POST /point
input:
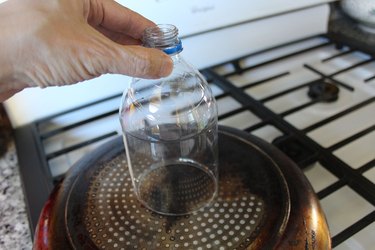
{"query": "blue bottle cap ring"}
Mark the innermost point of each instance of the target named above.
(173, 50)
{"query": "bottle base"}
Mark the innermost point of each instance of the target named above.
(177, 187)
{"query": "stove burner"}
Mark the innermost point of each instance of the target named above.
(296, 150)
(323, 91)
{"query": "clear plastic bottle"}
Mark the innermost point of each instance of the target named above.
(170, 133)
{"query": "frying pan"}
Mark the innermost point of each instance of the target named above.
(264, 202)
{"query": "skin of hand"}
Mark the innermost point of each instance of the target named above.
(59, 42)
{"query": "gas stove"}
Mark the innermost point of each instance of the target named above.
(312, 97)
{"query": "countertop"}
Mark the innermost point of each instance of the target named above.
(14, 226)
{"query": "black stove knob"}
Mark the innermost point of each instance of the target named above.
(323, 91)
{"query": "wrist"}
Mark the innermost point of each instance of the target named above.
(17, 24)
(9, 43)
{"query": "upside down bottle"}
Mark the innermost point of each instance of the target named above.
(170, 133)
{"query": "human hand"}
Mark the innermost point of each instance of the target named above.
(57, 42)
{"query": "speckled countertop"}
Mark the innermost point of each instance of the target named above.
(14, 227)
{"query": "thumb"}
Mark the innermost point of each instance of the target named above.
(138, 61)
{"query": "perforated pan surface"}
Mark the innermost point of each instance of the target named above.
(250, 211)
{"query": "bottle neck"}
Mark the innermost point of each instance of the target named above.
(163, 37)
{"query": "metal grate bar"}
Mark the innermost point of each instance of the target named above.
(75, 125)
(352, 67)
(250, 85)
(338, 115)
(46, 119)
(353, 229)
(337, 55)
(298, 108)
(233, 112)
(369, 79)
(352, 138)
(257, 126)
(331, 188)
(225, 94)
(367, 166)
(237, 68)
(355, 180)
(350, 88)
(288, 55)
(275, 59)
(287, 91)
(79, 145)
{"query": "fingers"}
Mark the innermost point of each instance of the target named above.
(101, 55)
(4, 95)
(115, 17)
